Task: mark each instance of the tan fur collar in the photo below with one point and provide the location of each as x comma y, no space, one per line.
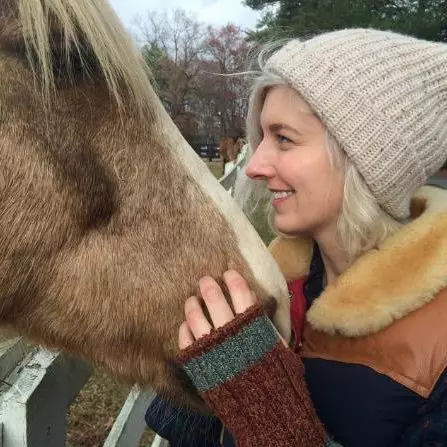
407,271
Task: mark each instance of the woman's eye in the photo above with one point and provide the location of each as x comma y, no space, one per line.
283,139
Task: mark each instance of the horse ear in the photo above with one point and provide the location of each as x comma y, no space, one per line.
11,31
11,36
64,63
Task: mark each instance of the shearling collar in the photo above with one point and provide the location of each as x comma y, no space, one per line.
385,284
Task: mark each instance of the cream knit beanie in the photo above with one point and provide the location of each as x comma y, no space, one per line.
384,98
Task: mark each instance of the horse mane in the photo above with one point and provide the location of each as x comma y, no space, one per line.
89,30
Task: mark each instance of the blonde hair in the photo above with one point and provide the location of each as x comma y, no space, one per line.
362,223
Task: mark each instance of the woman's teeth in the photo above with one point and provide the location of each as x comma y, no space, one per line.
282,194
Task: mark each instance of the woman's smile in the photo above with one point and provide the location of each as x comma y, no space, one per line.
280,197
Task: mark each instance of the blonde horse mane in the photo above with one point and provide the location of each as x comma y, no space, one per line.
119,60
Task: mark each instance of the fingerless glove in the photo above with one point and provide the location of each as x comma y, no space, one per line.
254,384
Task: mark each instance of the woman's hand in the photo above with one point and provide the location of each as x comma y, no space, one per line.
196,324
242,366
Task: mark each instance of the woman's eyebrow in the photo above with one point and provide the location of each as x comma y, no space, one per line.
277,127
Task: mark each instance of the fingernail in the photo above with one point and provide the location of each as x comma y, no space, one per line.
231,274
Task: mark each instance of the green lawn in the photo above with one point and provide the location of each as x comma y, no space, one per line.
260,222
259,217
216,167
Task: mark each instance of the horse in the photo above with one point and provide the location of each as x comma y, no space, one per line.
229,148
108,218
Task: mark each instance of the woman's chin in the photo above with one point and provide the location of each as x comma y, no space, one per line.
288,226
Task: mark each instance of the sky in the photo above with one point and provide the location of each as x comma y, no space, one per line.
211,12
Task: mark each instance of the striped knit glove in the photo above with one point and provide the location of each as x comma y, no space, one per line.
254,383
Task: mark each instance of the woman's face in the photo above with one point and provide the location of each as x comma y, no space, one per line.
292,159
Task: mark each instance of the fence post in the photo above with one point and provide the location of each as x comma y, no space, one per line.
130,424
12,350
35,397
228,180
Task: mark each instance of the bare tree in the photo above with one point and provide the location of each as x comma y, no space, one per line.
173,44
226,56
192,67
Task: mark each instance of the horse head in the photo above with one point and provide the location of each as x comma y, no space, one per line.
107,217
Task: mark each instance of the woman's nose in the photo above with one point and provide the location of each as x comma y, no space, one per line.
260,165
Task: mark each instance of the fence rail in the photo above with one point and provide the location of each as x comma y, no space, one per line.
228,180
37,386
35,394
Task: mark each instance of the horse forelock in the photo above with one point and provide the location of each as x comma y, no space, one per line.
76,35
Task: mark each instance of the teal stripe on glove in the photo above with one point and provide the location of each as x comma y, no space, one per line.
233,355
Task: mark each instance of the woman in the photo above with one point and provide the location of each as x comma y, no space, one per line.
345,128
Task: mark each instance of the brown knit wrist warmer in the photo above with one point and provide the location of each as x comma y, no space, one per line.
254,383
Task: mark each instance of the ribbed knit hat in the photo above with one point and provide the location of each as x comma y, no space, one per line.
384,98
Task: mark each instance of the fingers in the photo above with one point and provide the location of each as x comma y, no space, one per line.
220,312
218,308
241,295
197,322
185,337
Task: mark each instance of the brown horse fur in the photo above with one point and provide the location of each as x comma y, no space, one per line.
107,217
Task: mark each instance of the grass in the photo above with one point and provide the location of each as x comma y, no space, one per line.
259,217
259,221
216,167
92,414
95,409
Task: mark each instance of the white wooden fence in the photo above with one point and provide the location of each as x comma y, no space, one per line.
37,387
229,178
